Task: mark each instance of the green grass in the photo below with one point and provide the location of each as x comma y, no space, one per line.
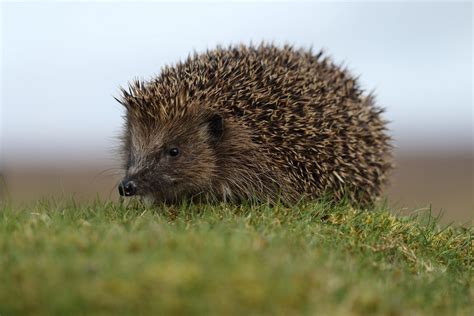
63,258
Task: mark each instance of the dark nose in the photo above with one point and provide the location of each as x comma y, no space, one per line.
127,188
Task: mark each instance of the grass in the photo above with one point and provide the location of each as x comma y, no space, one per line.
63,258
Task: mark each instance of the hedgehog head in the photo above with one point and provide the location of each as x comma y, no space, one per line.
177,148
168,157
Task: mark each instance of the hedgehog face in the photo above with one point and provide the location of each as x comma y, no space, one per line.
170,160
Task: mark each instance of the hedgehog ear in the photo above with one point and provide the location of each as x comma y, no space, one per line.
216,127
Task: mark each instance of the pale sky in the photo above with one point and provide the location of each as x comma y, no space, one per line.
63,63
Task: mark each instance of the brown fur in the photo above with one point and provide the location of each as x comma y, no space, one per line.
295,126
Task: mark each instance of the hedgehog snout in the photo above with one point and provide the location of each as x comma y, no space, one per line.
127,188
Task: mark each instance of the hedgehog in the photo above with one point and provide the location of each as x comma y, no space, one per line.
253,123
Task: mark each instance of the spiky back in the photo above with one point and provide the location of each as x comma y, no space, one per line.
310,119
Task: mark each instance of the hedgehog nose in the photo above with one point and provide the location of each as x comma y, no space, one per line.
127,188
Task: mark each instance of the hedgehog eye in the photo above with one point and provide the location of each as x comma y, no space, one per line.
174,152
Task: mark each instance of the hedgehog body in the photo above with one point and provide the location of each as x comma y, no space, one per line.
254,123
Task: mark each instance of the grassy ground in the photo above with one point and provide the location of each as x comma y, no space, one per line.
59,258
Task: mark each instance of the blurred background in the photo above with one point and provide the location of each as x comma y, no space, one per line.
62,63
